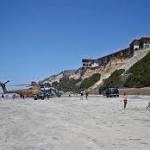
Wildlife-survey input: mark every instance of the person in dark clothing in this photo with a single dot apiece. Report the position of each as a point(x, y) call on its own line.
point(2, 95)
point(81, 95)
point(86, 95)
point(125, 100)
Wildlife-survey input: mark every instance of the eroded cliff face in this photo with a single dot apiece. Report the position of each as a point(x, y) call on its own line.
point(106, 69)
point(116, 64)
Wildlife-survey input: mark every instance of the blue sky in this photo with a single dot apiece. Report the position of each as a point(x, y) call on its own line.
point(43, 37)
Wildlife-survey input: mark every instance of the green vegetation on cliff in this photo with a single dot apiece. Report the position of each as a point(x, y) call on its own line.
point(66, 84)
point(114, 80)
point(137, 76)
point(139, 73)
point(90, 81)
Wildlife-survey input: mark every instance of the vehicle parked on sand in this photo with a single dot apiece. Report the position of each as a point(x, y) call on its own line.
point(112, 92)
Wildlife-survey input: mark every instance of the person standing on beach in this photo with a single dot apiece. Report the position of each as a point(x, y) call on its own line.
point(2, 96)
point(125, 100)
point(148, 106)
point(86, 95)
point(81, 95)
point(14, 96)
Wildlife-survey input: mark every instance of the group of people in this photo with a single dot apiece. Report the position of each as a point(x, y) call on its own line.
point(125, 99)
point(4, 96)
point(84, 93)
point(14, 96)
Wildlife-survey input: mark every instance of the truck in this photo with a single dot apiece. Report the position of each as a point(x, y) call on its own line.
point(112, 92)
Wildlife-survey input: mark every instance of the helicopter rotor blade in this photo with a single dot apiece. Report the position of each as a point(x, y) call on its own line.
point(6, 82)
point(27, 85)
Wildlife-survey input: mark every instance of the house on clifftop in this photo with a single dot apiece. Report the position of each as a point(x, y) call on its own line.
point(137, 44)
point(89, 63)
point(142, 43)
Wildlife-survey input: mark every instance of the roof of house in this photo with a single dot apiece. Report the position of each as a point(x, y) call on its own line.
point(145, 38)
point(87, 60)
point(135, 42)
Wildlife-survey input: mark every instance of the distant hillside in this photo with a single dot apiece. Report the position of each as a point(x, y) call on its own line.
point(138, 76)
point(53, 78)
point(90, 81)
point(139, 73)
point(114, 80)
point(119, 71)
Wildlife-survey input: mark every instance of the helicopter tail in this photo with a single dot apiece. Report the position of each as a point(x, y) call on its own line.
point(3, 85)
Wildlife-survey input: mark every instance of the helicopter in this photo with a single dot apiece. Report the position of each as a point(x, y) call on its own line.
point(37, 90)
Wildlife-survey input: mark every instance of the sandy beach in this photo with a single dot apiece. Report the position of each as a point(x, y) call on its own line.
point(68, 123)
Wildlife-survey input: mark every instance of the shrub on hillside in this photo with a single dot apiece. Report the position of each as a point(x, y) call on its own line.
point(88, 82)
point(113, 81)
point(55, 84)
point(66, 84)
point(140, 73)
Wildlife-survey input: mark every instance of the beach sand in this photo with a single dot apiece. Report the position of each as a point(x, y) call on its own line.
point(67, 123)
